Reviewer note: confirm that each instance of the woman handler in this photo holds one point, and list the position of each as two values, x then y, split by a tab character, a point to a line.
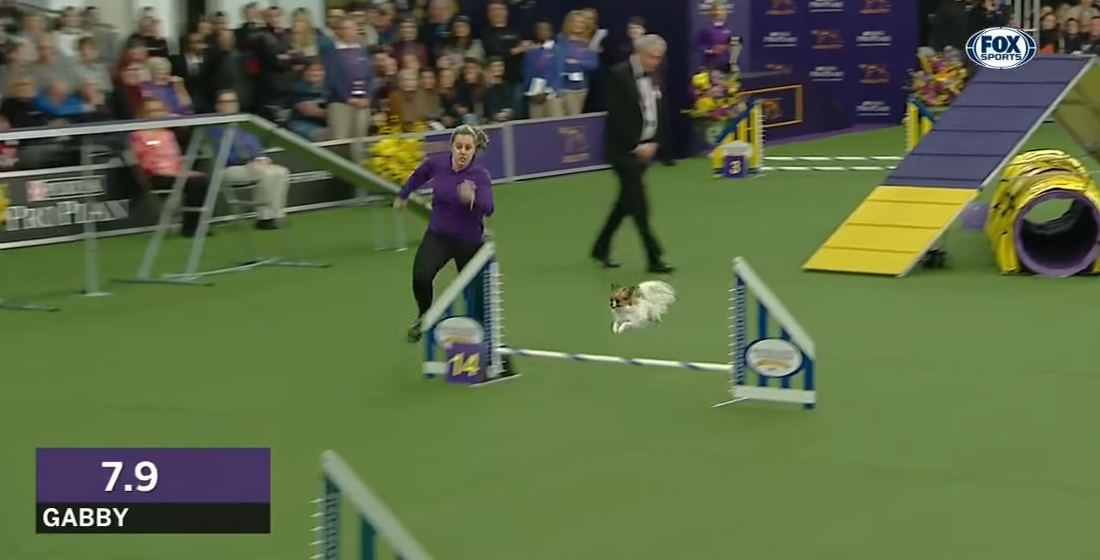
462	197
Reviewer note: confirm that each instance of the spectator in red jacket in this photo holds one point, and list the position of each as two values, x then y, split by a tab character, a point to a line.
159	159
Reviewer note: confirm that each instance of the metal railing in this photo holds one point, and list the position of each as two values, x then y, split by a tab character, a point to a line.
1028	14
344	169
84	134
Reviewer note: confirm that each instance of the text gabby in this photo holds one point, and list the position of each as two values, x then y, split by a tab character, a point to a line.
84	517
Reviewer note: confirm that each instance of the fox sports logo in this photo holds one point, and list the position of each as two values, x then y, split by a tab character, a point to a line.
1001	48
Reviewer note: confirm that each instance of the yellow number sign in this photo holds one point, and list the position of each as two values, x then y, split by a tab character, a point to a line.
461	364
735	167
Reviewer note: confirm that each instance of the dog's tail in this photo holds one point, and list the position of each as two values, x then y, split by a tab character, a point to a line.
658	292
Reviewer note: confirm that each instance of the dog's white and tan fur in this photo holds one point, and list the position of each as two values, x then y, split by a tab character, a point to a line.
638	306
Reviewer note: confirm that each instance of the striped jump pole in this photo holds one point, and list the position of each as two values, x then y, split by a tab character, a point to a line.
768	168
698	366
833	158
381	534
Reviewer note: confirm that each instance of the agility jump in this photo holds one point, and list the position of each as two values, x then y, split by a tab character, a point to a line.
919	121
775	368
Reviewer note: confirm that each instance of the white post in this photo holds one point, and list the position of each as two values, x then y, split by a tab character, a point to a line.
91	258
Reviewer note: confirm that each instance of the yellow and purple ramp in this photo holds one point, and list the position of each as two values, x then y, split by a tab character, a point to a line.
902	219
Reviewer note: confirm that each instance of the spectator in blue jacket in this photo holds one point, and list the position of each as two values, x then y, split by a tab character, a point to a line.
577	60
309	102
542	74
248	164
60	103
349	77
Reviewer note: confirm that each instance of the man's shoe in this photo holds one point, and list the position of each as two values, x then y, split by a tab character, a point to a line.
661	268
415	333
606	262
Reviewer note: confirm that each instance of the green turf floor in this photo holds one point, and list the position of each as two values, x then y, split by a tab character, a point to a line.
955	419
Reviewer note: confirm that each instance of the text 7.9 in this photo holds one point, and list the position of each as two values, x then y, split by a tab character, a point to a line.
145	472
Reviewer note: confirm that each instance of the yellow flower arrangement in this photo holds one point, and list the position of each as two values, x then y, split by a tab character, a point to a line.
717	95
704	105
4	202
701	81
395	158
941	78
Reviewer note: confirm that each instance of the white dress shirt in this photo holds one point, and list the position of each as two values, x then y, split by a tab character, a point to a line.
647	92
194	63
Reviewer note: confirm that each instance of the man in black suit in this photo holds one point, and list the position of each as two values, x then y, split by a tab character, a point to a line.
191	66
637	126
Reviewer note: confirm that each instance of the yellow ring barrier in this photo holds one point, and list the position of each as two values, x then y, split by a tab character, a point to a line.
1033	177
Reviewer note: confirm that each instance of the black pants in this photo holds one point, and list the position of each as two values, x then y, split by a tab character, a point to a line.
194	194
631	202
435	251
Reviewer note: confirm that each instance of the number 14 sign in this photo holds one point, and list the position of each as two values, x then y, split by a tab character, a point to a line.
465	363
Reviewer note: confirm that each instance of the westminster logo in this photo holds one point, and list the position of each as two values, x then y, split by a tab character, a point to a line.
875	7
781	8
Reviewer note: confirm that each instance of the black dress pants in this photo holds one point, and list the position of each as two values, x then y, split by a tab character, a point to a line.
631	202
194	194
435	251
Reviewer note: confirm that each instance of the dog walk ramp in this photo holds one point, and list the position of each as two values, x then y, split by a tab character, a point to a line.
890	230
902	219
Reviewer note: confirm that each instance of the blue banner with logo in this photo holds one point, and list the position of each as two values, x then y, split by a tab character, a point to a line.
856	52
556	146
779	30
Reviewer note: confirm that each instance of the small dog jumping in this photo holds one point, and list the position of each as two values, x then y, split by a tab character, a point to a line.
639	306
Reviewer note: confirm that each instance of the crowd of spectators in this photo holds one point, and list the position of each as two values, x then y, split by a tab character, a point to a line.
1070	28
1064	27
954	21
416	64
369	66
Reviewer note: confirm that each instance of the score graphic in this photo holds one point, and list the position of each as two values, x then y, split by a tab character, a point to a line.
159	490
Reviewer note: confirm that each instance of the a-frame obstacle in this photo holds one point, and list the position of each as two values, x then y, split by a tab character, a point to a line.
904	219
774	362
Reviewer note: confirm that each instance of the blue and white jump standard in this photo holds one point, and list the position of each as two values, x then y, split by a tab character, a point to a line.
761	367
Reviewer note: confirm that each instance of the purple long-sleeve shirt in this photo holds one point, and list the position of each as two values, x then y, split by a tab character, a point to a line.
711	38
450	215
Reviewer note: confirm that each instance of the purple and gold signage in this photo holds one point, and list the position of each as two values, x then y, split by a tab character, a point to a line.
559	144
780	105
855	52
465	363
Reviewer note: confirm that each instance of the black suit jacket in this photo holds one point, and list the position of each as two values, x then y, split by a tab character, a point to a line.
624	116
197	82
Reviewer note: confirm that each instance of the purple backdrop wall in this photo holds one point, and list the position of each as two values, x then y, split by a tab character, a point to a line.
856	51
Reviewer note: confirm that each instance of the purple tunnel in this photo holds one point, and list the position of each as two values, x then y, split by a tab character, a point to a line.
1064	246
